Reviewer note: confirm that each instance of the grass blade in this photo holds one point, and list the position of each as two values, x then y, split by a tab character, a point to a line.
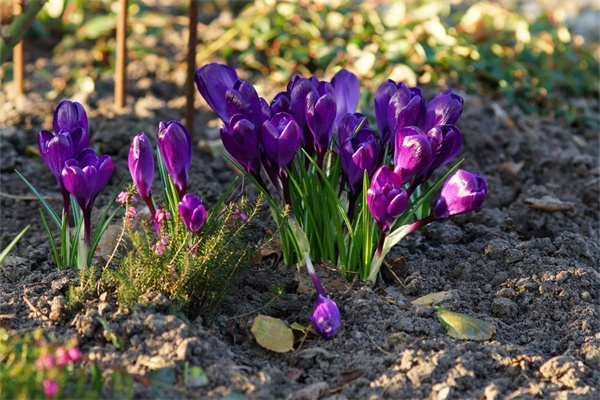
13	243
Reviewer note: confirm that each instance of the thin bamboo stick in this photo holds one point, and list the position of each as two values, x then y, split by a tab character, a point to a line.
190	90
120	76
18	56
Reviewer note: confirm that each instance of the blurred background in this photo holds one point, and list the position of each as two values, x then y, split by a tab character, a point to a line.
541	56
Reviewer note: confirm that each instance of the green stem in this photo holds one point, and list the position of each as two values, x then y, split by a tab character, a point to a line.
17	29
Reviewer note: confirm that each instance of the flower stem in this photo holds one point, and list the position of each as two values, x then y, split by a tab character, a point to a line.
313	274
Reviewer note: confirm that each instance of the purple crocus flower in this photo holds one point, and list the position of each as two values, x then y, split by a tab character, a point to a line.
243	99
463	192
386	198
326	318
192	213
444	108
241	141
446	142
359	154
141	168
346	88
321	110
298	89
213	81
175	145
68	116
280	103
84	177
280	138
396	106
412	153
349	126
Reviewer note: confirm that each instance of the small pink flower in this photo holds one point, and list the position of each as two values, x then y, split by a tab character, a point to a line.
74	354
164	240
131	212
50	387
134	199
122	197
161	215
46	361
62	357
159	248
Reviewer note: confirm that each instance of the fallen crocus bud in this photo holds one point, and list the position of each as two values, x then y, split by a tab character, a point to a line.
193	213
326	318
463	192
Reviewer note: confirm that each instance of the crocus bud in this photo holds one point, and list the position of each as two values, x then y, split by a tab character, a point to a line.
280	103
444	108
68	116
326	317
55	150
386	198
462	192
141	167
346	88
359	154
193	213
85	176
243	99
298	89
280	138
213	81
396	106
241	141
446	142
175	145
349	126
320	115
412	152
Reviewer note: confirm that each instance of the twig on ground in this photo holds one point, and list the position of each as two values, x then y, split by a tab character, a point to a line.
35	309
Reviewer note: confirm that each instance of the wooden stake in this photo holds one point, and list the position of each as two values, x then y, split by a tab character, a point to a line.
121	56
18	57
190	89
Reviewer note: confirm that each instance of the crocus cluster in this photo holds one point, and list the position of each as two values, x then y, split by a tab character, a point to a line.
175	147
77	168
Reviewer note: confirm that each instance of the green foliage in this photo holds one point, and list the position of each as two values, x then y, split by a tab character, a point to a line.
485	49
193	271
13	243
20	379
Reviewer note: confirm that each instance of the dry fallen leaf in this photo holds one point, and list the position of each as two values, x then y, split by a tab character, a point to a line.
272	334
431	298
461	326
549	204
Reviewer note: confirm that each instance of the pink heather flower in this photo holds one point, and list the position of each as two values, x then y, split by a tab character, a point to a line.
238	214
46	361
122	197
50	387
62	357
134	199
159	248
161	215
131	212
74	354
164	240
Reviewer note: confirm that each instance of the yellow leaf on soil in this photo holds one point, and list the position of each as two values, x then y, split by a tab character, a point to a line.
461	326
272	334
431	298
